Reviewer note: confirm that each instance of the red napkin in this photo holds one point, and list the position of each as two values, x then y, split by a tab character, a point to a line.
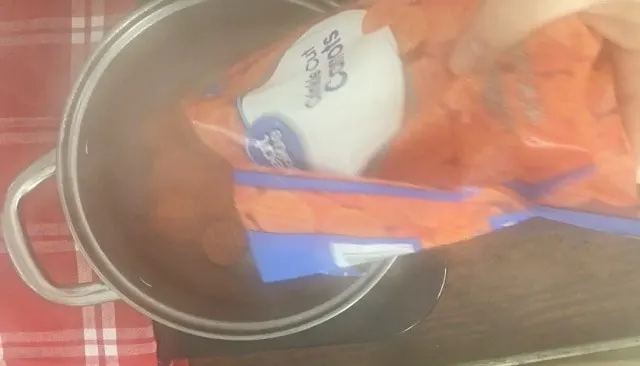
42	48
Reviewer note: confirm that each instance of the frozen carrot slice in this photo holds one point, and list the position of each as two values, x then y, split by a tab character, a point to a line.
353	222
282	211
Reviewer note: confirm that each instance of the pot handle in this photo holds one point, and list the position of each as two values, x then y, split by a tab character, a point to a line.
18	247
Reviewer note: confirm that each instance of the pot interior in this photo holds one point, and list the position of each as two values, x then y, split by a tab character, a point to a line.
141	90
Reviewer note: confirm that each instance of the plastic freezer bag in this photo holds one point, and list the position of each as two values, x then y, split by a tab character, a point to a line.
351	141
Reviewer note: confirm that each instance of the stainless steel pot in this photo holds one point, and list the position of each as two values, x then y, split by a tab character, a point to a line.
147	62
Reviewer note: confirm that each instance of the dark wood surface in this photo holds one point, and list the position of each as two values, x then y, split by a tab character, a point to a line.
536	287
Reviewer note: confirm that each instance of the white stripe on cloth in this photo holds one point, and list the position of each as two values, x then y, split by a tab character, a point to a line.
78	38
33	39
28	122
33	24
28	138
97	20
47	237
70	335
55	30
72	352
48	229
109	334
41	24
89	325
44	247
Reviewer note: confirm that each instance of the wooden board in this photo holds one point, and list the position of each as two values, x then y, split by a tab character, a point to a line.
533	288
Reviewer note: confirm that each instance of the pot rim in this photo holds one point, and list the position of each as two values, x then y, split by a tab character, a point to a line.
68	187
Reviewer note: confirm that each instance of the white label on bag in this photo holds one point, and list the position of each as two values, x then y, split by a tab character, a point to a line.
334	101
348	255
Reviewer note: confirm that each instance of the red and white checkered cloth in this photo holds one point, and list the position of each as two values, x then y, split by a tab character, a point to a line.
43	44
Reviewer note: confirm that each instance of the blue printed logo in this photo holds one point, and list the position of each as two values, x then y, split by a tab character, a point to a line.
271	143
